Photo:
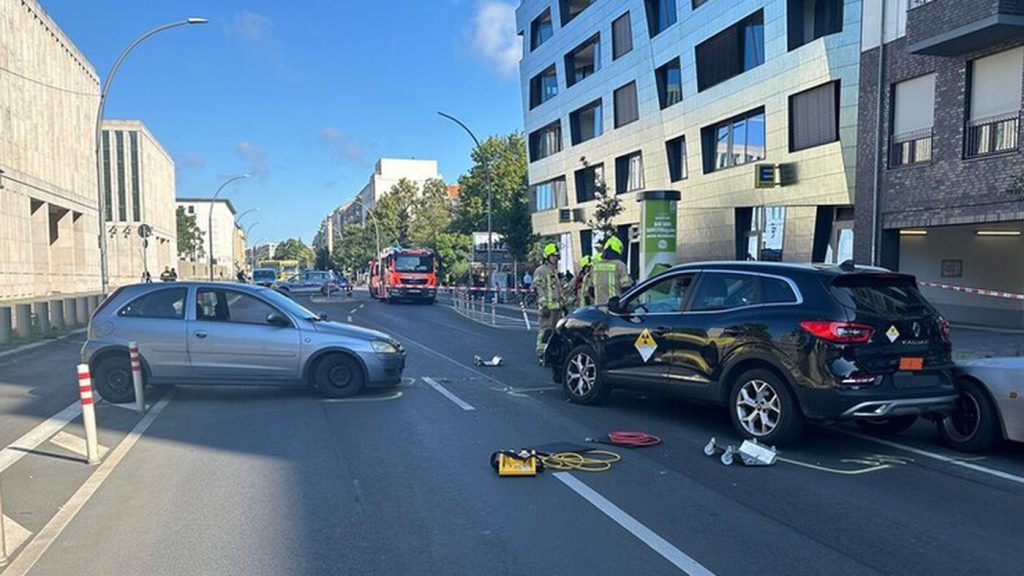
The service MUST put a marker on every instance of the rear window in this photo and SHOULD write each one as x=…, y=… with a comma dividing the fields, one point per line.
x=166, y=304
x=264, y=275
x=880, y=294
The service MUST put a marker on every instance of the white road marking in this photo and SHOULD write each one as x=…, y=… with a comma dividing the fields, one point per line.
x=349, y=319
x=15, y=535
x=41, y=433
x=447, y=394
x=35, y=549
x=379, y=398
x=353, y=311
x=677, y=557
x=73, y=443
x=940, y=457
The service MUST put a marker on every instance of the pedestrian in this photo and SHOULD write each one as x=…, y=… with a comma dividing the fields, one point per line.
x=584, y=291
x=609, y=277
x=241, y=277
x=550, y=298
x=146, y=277
x=174, y=275
x=165, y=276
x=527, y=281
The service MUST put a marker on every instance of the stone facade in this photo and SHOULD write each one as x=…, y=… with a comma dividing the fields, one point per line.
x=224, y=230
x=49, y=94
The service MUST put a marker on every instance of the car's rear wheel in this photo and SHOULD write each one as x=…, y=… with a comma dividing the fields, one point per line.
x=339, y=376
x=762, y=408
x=887, y=426
x=112, y=379
x=974, y=424
x=581, y=378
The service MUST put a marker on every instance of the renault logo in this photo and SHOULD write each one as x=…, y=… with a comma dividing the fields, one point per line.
x=916, y=328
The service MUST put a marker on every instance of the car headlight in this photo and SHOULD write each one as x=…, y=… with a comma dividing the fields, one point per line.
x=382, y=347
x=561, y=322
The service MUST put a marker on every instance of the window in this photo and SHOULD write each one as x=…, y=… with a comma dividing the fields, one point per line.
x=122, y=190
x=660, y=15
x=814, y=117
x=583, y=61
x=543, y=87
x=722, y=291
x=546, y=141
x=913, y=111
x=731, y=52
x=764, y=233
x=670, y=83
x=191, y=209
x=995, y=97
x=133, y=139
x=777, y=291
x=570, y=9
x=629, y=173
x=548, y=195
x=586, y=122
x=699, y=3
x=166, y=304
x=622, y=36
x=587, y=181
x=626, y=110
x=216, y=305
x=675, y=149
x=664, y=296
x=734, y=142
x=107, y=177
x=541, y=29
x=809, y=20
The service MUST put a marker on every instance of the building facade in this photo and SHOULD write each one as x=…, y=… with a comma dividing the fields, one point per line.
x=138, y=187
x=49, y=95
x=386, y=173
x=226, y=256
x=946, y=166
x=695, y=96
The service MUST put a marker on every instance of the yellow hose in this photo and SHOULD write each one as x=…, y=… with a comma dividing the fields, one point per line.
x=580, y=462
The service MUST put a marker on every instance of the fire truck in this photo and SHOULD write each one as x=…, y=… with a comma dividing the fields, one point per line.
x=404, y=274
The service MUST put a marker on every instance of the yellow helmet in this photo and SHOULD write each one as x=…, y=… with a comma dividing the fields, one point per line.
x=550, y=249
x=585, y=261
x=614, y=244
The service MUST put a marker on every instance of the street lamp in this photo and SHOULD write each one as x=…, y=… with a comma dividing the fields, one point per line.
x=102, y=204
x=490, y=192
x=251, y=226
x=209, y=224
x=246, y=213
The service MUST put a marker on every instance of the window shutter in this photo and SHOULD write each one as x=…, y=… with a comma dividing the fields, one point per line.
x=996, y=84
x=622, y=36
x=914, y=105
x=814, y=117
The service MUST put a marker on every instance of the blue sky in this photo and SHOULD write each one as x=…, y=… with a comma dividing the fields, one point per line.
x=305, y=96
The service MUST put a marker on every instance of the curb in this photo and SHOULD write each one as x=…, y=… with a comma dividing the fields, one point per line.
x=34, y=345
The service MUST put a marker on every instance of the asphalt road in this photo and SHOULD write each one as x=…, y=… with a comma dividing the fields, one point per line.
x=280, y=481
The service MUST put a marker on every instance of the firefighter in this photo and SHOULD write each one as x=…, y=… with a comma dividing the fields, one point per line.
x=584, y=291
x=550, y=299
x=609, y=277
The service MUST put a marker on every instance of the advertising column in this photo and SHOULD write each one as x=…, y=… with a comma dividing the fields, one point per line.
x=658, y=223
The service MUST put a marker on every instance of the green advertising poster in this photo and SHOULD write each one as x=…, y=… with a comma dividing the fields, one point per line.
x=658, y=231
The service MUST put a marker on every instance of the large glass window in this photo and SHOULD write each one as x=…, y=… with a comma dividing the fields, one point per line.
x=764, y=238
x=675, y=149
x=622, y=36
x=731, y=52
x=166, y=304
x=629, y=173
x=583, y=61
x=548, y=195
x=570, y=9
x=809, y=20
x=734, y=142
x=814, y=117
x=626, y=108
x=122, y=190
x=541, y=29
x=219, y=305
x=587, y=181
x=660, y=15
x=133, y=139
x=586, y=123
x=913, y=114
x=546, y=141
x=670, y=83
x=543, y=87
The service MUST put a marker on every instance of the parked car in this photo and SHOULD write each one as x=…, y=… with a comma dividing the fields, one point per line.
x=336, y=285
x=775, y=343
x=264, y=277
x=219, y=333
x=990, y=408
x=305, y=282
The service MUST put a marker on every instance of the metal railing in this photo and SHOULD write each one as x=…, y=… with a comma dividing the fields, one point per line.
x=910, y=148
x=992, y=135
x=911, y=4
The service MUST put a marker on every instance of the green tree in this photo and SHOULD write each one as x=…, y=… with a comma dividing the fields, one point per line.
x=507, y=158
x=453, y=250
x=517, y=225
x=432, y=214
x=295, y=249
x=394, y=212
x=356, y=246
x=190, y=236
x=323, y=259
x=609, y=205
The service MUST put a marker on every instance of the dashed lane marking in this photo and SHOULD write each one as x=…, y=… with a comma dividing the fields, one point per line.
x=75, y=444
x=447, y=394
x=14, y=535
x=41, y=433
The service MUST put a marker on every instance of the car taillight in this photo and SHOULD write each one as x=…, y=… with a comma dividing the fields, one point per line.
x=838, y=332
x=945, y=331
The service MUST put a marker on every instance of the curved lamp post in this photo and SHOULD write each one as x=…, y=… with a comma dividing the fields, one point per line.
x=209, y=224
x=102, y=204
x=247, y=230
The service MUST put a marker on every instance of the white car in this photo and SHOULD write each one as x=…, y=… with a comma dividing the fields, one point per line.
x=991, y=405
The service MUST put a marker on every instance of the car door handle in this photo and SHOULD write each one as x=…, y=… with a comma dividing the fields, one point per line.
x=734, y=331
x=199, y=334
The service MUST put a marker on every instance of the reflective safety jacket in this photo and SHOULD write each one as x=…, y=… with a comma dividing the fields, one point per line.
x=549, y=288
x=609, y=278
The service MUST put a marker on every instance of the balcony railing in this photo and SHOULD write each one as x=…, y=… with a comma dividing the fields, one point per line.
x=992, y=135
x=911, y=4
x=910, y=148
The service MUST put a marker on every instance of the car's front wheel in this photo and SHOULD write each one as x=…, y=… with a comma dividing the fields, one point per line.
x=112, y=379
x=339, y=376
x=762, y=408
x=974, y=424
x=581, y=378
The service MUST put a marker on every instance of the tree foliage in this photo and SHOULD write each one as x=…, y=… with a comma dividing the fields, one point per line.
x=609, y=205
x=354, y=249
x=432, y=214
x=190, y=236
x=295, y=249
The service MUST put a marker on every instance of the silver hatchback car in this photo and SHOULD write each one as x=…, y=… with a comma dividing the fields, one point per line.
x=221, y=333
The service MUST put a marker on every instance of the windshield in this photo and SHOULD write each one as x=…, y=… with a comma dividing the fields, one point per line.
x=263, y=275
x=288, y=305
x=414, y=263
x=880, y=294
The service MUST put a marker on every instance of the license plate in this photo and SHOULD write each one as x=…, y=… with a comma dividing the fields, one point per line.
x=414, y=291
x=911, y=364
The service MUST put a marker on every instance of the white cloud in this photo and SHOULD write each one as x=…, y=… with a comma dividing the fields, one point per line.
x=253, y=27
x=495, y=37
x=254, y=157
x=189, y=160
x=342, y=147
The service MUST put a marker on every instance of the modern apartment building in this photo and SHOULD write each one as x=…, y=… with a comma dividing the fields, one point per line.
x=138, y=187
x=703, y=97
x=386, y=173
x=946, y=165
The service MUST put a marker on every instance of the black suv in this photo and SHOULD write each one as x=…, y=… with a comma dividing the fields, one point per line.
x=776, y=343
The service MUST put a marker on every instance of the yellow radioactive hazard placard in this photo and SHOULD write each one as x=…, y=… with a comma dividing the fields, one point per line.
x=645, y=345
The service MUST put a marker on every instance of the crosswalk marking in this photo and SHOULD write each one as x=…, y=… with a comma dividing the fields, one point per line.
x=14, y=534
x=74, y=444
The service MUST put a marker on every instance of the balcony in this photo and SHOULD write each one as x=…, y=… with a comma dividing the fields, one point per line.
x=958, y=27
x=992, y=136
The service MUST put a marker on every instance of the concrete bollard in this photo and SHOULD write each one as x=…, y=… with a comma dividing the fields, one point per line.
x=93, y=304
x=82, y=309
x=6, y=328
x=57, y=314
x=71, y=312
x=42, y=313
x=526, y=317
x=23, y=320
x=494, y=314
x=140, y=398
x=92, y=445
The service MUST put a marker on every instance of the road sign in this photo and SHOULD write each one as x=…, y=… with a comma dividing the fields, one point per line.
x=145, y=230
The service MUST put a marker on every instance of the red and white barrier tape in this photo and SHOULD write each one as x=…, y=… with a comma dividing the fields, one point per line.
x=975, y=291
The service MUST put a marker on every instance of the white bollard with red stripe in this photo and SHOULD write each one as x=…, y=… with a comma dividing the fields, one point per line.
x=140, y=398
x=92, y=446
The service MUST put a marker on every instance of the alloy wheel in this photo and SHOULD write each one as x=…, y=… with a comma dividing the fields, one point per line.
x=758, y=407
x=581, y=374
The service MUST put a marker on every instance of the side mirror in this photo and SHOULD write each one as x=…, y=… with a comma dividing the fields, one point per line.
x=277, y=319
x=323, y=316
x=614, y=305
